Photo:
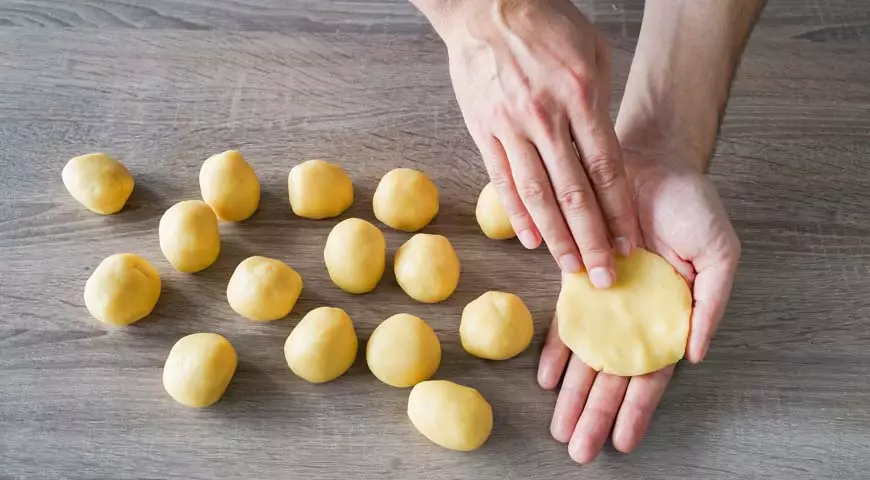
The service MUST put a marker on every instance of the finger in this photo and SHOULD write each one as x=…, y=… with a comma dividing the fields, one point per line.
x=554, y=356
x=597, y=417
x=533, y=185
x=601, y=155
x=572, y=396
x=641, y=399
x=498, y=168
x=578, y=204
x=602, y=56
x=711, y=291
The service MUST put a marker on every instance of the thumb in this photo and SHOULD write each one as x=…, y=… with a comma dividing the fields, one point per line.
x=711, y=291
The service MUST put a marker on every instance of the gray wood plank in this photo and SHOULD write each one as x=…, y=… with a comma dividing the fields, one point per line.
x=783, y=394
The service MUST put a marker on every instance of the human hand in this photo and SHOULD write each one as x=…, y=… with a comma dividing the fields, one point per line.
x=532, y=78
x=683, y=220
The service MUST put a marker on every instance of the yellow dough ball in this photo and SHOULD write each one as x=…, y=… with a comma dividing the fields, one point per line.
x=451, y=415
x=405, y=200
x=637, y=326
x=189, y=236
x=355, y=255
x=123, y=289
x=496, y=326
x=229, y=186
x=322, y=346
x=199, y=369
x=427, y=268
x=263, y=289
x=98, y=181
x=403, y=351
x=491, y=215
x=319, y=189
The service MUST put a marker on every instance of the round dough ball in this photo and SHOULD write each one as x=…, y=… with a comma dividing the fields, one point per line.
x=319, y=189
x=406, y=200
x=98, y=181
x=637, y=326
x=189, y=236
x=496, y=326
x=322, y=346
x=491, y=215
x=263, y=289
x=355, y=255
x=123, y=289
x=451, y=415
x=229, y=186
x=199, y=369
x=427, y=268
x=403, y=351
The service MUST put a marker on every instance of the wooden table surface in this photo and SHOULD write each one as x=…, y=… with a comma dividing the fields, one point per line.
x=785, y=392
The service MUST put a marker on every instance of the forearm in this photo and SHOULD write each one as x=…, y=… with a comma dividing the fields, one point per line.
x=678, y=86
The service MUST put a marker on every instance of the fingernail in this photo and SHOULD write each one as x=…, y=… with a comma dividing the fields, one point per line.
x=528, y=239
x=623, y=246
x=570, y=263
x=601, y=277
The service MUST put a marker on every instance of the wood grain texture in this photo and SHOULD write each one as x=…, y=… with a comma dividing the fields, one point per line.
x=783, y=394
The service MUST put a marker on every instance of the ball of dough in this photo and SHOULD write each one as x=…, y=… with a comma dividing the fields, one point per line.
x=123, y=289
x=491, y=215
x=322, y=346
x=355, y=255
x=319, y=189
x=229, y=186
x=199, y=369
x=263, y=289
x=98, y=181
x=406, y=200
x=189, y=236
x=637, y=326
x=451, y=415
x=403, y=351
x=496, y=326
x=427, y=268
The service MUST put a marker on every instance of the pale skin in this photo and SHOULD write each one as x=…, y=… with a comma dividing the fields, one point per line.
x=532, y=80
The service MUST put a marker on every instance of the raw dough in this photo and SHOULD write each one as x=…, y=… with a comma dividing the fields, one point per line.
x=427, y=268
x=189, y=236
x=355, y=255
x=496, y=326
x=403, y=351
x=263, y=289
x=199, y=369
x=322, y=346
x=229, y=186
x=319, y=189
x=637, y=326
x=451, y=415
x=123, y=289
x=491, y=215
x=406, y=200
x=98, y=181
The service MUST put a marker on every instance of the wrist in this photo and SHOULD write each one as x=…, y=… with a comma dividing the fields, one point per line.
x=445, y=16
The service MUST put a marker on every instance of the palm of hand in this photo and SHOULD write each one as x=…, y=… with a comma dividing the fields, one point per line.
x=683, y=220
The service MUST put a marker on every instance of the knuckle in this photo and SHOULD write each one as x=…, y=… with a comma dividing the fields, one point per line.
x=519, y=220
x=532, y=191
x=594, y=254
x=603, y=173
x=535, y=107
x=575, y=199
x=499, y=181
x=735, y=247
x=579, y=80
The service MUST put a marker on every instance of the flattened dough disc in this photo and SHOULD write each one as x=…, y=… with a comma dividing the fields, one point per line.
x=637, y=326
